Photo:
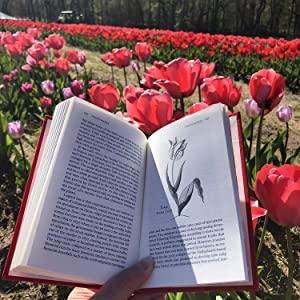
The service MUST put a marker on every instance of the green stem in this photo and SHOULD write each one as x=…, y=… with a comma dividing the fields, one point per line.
x=289, y=290
x=182, y=105
x=251, y=140
x=23, y=154
x=199, y=93
x=145, y=66
x=125, y=76
x=76, y=70
x=262, y=237
x=176, y=104
x=287, y=135
x=258, y=140
x=112, y=75
x=252, y=295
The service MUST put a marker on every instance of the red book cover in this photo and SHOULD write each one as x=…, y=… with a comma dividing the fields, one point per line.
x=42, y=138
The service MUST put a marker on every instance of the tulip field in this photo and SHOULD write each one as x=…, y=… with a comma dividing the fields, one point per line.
x=151, y=78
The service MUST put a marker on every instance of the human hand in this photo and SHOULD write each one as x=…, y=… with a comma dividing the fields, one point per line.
x=122, y=285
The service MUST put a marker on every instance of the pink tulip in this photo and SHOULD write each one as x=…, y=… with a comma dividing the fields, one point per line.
x=105, y=96
x=27, y=87
x=81, y=58
x=67, y=93
x=76, y=87
x=218, y=89
x=197, y=107
x=181, y=77
x=37, y=51
x=143, y=51
x=284, y=113
x=278, y=189
x=121, y=57
x=157, y=71
x=34, y=32
x=251, y=108
x=206, y=71
x=54, y=41
x=151, y=109
x=15, y=129
x=267, y=88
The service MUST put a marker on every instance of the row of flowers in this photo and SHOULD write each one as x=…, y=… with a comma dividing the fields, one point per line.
x=38, y=74
x=237, y=55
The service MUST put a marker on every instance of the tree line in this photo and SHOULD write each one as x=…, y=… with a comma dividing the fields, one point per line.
x=240, y=17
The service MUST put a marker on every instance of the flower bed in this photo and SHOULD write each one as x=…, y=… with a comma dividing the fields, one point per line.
x=238, y=56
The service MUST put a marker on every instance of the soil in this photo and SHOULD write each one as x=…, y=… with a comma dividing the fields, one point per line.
x=273, y=259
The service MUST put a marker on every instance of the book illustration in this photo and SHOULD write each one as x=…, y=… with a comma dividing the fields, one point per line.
x=176, y=153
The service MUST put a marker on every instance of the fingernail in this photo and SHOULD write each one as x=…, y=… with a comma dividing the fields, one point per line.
x=147, y=264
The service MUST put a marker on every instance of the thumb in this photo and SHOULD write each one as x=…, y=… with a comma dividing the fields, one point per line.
x=122, y=285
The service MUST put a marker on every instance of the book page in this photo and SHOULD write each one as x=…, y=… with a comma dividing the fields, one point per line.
x=91, y=206
x=191, y=222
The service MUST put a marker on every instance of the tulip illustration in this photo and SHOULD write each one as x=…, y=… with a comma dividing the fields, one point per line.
x=176, y=153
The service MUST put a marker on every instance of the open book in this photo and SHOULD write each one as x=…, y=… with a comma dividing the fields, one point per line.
x=101, y=196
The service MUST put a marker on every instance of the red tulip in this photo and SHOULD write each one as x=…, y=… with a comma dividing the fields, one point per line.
x=182, y=77
x=256, y=212
x=121, y=57
x=197, y=107
x=143, y=51
x=62, y=66
x=37, y=51
x=267, y=88
x=34, y=32
x=72, y=56
x=218, y=89
x=206, y=71
x=151, y=109
x=46, y=102
x=278, y=189
x=157, y=71
x=14, y=50
x=57, y=53
x=108, y=59
x=105, y=96
x=131, y=93
x=54, y=41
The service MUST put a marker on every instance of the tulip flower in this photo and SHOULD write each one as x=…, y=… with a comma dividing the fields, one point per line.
x=181, y=78
x=37, y=51
x=54, y=41
x=143, y=51
x=72, y=56
x=121, y=57
x=278, y=189
x=34, y=32
x=206, y=71
x=76, y=87
x=151, y=109
x=92, y=82
x=27, y=87
x=47, y=87
x=251, y=108
x=15, y=50
x=131, y=93
x=266, y=88
x=81, y=58
x=105, y=96
x=46, y=102
x=256, y=212
x=218, y=89
x=26, y=68
x=67, y=93
x=15, y=129
x=109, y=60
x=57, y=53
x=157, y=71
x=62, y=66
x=284, y=113
x=197, y=107
x=135, y=66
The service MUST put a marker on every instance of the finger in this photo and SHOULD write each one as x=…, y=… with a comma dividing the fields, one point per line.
x=148, y=297
x=122, y=286
x=81, y=294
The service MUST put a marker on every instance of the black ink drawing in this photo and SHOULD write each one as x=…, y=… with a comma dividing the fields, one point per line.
x=176, y=153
